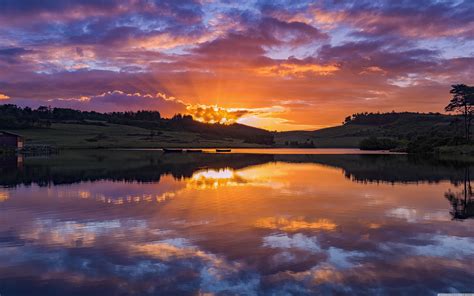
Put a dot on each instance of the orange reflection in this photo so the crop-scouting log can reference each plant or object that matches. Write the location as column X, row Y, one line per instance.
column 213, row 174
column 114, row 200
column 252, row 176
column 211, row 179
column 69, row 233
column 3, row 196
column 172, row 249
column 298, row 224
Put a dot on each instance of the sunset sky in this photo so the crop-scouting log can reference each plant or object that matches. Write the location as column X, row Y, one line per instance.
column 280, row 65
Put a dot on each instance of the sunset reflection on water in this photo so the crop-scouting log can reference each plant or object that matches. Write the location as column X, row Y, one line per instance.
column 295, row 227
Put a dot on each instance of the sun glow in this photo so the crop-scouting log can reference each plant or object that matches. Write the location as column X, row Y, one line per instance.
column 212, row 179
column 214, row 114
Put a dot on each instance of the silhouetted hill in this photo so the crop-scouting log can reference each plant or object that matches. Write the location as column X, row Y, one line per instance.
column 403, row 127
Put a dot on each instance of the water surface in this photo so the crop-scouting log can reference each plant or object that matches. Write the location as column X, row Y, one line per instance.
column 146, row 223
column 290, row 151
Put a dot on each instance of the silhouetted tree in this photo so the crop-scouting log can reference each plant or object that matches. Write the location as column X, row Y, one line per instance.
column 347, row 119
column 462, row 102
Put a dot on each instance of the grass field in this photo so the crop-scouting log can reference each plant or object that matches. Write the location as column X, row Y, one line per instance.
column 79, row 136
column 88, row 136
column 333, row 137
column 407, row 126
column 95, row 135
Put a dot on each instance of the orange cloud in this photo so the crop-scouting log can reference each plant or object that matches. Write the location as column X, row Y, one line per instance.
column 3, row 97
column 168, row 40
column 291, row 69
column 215, row 114
column 373, row 69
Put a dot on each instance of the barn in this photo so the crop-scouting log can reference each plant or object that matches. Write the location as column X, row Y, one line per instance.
column 11, row 141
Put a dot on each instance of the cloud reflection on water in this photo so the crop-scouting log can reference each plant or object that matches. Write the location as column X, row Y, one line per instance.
column 271, row 228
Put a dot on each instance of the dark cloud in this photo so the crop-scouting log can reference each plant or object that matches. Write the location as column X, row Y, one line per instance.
column 184, row 9
column 13, row 54
column 38, row 6
column 412, row 19
column 396, row 61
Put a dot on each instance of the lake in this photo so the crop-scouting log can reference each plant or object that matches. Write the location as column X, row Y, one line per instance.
column 147, row 223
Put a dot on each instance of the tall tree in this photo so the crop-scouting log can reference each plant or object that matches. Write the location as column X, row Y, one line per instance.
column 462, row 102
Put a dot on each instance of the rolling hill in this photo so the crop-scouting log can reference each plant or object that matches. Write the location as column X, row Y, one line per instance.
column 68, row 128
column 404, row 127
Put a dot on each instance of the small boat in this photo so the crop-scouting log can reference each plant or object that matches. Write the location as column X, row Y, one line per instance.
column 166, row 150
column 223, row 150
column 193, row 150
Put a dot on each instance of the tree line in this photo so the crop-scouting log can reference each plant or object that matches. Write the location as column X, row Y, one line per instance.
column 14, row 117
column 378, row 118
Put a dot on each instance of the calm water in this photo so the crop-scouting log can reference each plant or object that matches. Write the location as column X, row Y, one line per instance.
column 292, row 151
column 143, row 223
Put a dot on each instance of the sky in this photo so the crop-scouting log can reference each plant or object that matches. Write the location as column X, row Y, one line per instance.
column 279, row 64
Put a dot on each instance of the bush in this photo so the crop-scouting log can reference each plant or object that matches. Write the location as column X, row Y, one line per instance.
column 374, row 143
column 429, row 144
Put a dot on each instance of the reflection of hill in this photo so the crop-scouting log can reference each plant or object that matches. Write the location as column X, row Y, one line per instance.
column 386, row 168
column 140, row 166
column 149, row 166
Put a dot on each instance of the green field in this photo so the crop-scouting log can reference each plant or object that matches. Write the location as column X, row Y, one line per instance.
column 333, row 137
column 404, row 127
column 88, row 136
column 100, row 134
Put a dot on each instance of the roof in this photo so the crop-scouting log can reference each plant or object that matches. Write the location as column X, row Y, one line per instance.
column 10, row 134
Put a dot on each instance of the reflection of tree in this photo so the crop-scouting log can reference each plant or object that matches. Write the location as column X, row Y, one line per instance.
column 463, row 201
column 141, row 166
column 149, row 166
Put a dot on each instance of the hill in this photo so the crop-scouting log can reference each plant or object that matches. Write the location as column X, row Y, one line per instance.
column 67, row 128
column 402, row 128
